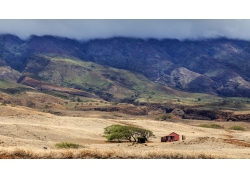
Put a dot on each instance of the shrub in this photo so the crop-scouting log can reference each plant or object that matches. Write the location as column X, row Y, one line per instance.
column 67, row 145
column 240, row 128
column 79, row 100
column 215, row 126
column 163, row 117
column 107, row 117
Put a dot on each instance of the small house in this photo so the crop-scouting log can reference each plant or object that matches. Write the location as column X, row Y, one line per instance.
column 171, row 137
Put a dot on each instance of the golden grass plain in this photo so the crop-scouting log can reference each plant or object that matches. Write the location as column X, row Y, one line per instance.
column 29, row 134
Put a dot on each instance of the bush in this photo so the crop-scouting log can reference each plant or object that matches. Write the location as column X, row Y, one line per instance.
column 163, row 117
column 79, row 100
column 120, row 132
column 67, row 145
column 240, row 128
column 215, row 126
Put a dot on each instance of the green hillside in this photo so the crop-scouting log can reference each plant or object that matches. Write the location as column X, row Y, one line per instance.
column 109, row 83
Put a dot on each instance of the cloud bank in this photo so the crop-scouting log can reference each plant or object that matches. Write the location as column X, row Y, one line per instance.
column 84, row 29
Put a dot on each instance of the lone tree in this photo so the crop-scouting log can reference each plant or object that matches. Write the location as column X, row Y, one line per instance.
column 129, row 133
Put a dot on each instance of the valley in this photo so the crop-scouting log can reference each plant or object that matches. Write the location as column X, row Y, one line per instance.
column 60, row 90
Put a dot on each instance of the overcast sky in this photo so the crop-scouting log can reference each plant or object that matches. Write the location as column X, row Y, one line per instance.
column 89, row 29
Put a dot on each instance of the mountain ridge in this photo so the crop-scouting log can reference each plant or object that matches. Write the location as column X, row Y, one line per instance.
column 213, row 66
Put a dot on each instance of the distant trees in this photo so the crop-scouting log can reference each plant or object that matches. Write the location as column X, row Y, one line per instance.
column 119, row 132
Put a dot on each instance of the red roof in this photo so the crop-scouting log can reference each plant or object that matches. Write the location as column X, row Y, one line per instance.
column 173, row 133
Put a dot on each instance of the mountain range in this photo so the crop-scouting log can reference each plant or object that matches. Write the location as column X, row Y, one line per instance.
column 128, row 68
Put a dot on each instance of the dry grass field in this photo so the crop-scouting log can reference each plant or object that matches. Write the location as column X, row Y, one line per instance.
column 27, row 133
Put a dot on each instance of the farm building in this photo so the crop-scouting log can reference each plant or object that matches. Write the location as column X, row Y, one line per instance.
column 171, row 137
column 141, row 140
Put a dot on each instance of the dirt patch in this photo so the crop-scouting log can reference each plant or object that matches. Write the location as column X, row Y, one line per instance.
column 237, row 142
column 228, row 136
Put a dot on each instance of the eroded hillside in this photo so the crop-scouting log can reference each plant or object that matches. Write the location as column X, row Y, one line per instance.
column 212, row 66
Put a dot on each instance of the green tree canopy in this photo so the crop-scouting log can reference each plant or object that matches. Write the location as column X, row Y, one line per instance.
column 129, row 133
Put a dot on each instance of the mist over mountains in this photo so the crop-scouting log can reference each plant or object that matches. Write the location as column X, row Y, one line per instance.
column 217, row 66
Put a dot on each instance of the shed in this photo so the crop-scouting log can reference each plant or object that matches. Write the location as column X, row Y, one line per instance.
column 171, row 137
column 141, row 140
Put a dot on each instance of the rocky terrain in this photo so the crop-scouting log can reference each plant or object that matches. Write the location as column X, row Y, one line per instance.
column 213, row 66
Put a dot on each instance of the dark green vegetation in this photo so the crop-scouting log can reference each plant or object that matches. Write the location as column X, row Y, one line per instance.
column 240, row 128
column 215, row 126
column 119, row 132
column 67, row 145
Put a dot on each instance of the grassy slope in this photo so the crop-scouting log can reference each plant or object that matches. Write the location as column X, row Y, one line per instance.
column 6, row 86
column 121, row 83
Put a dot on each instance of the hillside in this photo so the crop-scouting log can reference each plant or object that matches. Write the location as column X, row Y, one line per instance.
column 56, row 90
column 129, row 68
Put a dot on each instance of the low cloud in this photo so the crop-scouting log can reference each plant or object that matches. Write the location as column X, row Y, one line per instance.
column 88, row 29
